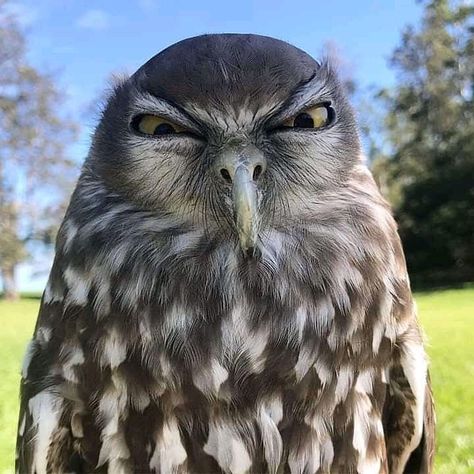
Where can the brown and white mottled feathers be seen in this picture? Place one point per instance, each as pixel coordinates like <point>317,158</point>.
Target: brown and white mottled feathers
<point>175,338</point>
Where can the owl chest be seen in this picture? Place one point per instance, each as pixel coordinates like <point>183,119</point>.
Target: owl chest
<point>245,355</point>
<point>255,397</point>
<point>241,394</point>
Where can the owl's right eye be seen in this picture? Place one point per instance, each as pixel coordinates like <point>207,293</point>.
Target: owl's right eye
<point>155,125</point>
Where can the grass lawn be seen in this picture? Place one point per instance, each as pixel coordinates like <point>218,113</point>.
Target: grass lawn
<point>448,319</point>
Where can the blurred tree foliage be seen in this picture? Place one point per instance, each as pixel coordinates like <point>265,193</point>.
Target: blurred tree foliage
<point>426,166</point>
<point>34,169</point>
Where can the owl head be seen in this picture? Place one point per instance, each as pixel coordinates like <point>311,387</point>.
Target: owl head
<point>231,133</point>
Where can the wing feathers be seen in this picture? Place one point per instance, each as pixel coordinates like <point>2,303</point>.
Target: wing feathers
<point>409,413</point>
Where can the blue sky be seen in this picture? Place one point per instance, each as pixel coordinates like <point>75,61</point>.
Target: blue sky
<point>85,41</point>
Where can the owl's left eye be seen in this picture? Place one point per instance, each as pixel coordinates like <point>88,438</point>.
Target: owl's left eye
<point>316,117</point>
<point>154,125</point>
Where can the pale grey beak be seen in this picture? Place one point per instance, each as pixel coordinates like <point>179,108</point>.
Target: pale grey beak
<point>244,194</point>
<point>242,167</point>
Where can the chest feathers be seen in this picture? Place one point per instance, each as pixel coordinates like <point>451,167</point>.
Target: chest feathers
<point>248,384</point>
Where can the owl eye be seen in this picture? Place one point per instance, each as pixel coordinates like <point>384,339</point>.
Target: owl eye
<point>316,117</point>
<point>154,125</point>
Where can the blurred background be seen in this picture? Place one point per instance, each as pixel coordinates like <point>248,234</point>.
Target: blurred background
<point>409,69</point>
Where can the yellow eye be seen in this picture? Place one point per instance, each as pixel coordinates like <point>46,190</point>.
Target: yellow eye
<point>154,125</point>
<point>316,117</point>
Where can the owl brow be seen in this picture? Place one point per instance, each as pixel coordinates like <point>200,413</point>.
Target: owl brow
<point>304,97</point>
<point>146,103</point>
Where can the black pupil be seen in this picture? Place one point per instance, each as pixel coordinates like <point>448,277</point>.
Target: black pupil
<point>303,120</point>
<point>164,129</point>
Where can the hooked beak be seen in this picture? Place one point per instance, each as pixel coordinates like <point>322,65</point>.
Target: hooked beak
<point>244,196</point>
<point>242,167</point>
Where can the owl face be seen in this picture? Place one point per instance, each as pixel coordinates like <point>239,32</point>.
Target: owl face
<point>231,133</point>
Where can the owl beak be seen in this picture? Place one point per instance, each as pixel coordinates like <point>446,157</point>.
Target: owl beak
<point>241,169</point>
<point>244,196</point>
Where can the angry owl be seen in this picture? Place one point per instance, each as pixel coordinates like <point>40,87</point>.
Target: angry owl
<point>229,293</point>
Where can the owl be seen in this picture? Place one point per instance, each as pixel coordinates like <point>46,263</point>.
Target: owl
<point>229,293</point>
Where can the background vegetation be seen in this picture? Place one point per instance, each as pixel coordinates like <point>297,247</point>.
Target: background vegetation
<point>426,164</point>
<point>35,171</point>
<point>420,142</point>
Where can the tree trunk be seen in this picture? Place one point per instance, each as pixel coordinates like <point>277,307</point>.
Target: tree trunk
<point>10,291</point>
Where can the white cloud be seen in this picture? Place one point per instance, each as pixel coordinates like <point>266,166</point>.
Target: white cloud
<point>94,20</point>
<point>25,15</point>
<point>147,5</point>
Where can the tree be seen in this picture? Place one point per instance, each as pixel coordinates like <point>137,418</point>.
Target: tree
<point>35,172</point>
<point>428,166</point>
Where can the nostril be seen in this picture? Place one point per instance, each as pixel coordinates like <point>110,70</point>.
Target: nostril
<point>225,174</point>
<point>257,171</point>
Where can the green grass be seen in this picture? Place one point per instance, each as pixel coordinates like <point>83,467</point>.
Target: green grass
<point>448,319</point>
<point>17,321</point>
